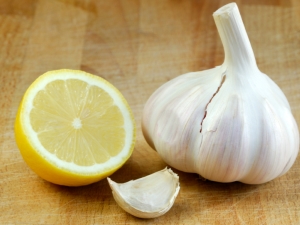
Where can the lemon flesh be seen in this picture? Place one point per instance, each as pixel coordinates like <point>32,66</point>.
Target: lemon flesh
<point>74,128</point>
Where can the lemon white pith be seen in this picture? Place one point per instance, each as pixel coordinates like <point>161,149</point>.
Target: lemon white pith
<point>74,128</point>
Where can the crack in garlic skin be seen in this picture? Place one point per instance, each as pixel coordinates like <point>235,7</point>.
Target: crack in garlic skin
<point>223,80</point>
<point>247,132</point>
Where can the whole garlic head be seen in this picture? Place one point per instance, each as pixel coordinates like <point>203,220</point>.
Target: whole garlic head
<point>229,123</point>
<point>147,197</point>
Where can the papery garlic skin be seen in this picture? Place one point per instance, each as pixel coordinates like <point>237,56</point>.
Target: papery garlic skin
<point>147,197</point>
<point>229,123</point>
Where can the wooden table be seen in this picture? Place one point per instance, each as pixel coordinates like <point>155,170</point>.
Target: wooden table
<point>137,46</point>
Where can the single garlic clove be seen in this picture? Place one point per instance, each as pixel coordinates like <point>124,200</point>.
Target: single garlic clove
<point>147,197</point>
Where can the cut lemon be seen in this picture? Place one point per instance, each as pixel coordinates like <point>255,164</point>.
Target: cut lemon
<point>74,128</point>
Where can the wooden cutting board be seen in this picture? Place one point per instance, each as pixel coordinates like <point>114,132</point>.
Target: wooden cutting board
<point>137,46</point>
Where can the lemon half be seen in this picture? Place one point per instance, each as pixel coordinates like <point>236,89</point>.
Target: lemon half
<point>74,128</point>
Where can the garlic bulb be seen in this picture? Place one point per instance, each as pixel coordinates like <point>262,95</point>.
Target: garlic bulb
<point>229,123</point>
<point>147,197</point>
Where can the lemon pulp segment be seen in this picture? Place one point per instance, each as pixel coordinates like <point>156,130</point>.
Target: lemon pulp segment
<point>76,129</point>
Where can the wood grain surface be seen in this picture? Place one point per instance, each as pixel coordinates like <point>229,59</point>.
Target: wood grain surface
<point>138,45</point>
